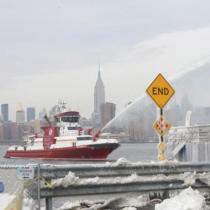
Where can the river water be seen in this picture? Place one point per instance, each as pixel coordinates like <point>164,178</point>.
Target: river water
<point>131,151</point>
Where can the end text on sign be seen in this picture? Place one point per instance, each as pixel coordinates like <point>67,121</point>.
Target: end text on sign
<point>160,91</point>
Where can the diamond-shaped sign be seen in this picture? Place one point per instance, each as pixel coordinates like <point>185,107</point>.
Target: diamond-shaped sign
<point>161,126</point>
<point>160,91</point>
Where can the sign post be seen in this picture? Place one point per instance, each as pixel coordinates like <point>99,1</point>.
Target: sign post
<point>38,186</point>
<point>161,91</point>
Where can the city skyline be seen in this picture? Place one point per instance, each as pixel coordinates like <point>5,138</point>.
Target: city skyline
<point>31,114</point>
<point>29,111</point>
<point>98,97</point>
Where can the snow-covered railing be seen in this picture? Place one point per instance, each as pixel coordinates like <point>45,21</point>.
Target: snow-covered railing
<point>119,177</point>
<point>142,186</point>
<point>112,169</point>
<point>72,185</point>
<point>122,168</point>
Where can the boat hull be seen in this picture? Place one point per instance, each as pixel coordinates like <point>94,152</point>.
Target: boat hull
<point>98,151</point>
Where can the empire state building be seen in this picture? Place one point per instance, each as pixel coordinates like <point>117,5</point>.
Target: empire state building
<point>99,99</point>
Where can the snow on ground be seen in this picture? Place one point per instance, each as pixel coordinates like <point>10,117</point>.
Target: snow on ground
<point>187,199</point>
<point>5,199</point>
<point>29,204</point>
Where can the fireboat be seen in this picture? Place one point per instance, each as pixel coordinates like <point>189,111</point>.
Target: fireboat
<point>64,139</point>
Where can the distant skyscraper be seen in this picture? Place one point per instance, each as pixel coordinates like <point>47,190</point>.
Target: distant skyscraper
<point>42,114</point>
<point>5,112</point>
<point>30,114</point>
<point>107,112</point>
<point>99,98</point>
<point>20,116</point>
<point>99,93</point>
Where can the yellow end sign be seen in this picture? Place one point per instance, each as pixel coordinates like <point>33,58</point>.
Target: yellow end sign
<point>160,91</point>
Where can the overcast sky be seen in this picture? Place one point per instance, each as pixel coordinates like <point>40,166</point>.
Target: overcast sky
<point>50,49</point>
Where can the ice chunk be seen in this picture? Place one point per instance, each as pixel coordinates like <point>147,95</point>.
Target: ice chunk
<point>187,199</point>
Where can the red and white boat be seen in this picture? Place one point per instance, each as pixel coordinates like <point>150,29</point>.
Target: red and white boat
<point>64,139</point>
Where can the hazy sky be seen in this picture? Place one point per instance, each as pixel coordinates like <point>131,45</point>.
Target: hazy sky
<point>50,49</point>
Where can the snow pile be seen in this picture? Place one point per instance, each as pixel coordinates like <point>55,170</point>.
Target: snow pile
<point>188,199</point>
<point>5,199</point>
<point>69,179</point>
<point>168,162</point>
<point>124,162</point>
<point>130,202</point>
<point>76,205</point>
<point>124,203</point>
<point>28,203</point>
<point>119,162</point>
<point>189,178</point>
<point>129,208</point>
<point>72,179</point>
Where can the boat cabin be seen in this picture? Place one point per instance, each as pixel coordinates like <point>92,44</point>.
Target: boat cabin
<point>68,122</point>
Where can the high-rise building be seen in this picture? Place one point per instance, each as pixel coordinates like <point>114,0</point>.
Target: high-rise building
<point>5,112</point>
<point>20,116</point>
<point>42,114</point>
<point>30,114</point>
<point>99,98</point>
<point>99,93</point>
<point>107,112</point>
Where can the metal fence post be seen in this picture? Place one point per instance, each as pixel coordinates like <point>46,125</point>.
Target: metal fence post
<point>38,186</point>
<point>48,204</point>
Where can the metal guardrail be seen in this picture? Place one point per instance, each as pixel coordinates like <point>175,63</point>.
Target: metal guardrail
<point>112,170</point>
<point>136,186</point>
<point>119,170</point>
<point>106,171</point>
